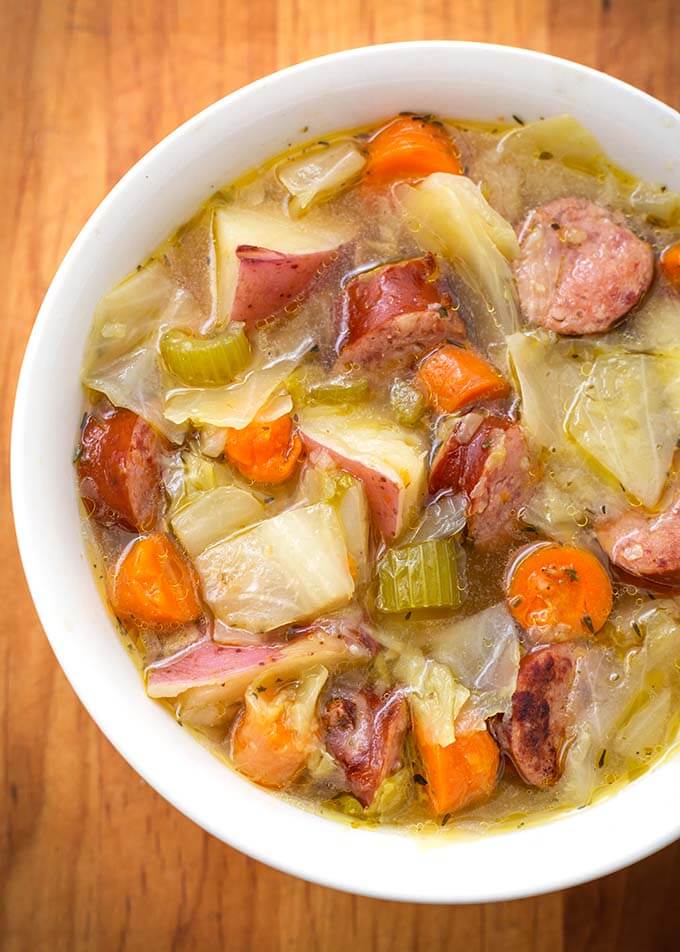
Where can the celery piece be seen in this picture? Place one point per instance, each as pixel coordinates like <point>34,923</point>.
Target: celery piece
<point>407,402</point>
<point>206,361</point>
<point>308,386</point>
<point>340,390</point>
<point>419,576</point>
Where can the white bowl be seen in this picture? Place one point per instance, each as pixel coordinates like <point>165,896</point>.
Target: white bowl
<point>342,90</point>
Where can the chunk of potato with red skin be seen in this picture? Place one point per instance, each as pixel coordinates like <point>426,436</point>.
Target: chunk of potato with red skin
<point>396,313</point>
<point>269,281</point>
<point>119,470</point>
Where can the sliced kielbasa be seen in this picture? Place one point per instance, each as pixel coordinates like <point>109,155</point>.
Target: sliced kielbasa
<point>119,470</point>
<point>490,463</point>
<point>580,268</point>
<point>365,734</point>
<point>539,725</point>
<point>396,313</point>
<point>645,546</point>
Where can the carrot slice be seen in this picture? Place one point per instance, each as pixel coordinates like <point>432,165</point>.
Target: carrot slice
<point>560,585</point>
<point>265,452</point>
<point>670,264</point>
<point>267,750</point>
<point>461,773</point>
<point>410,148</point>
<point>455,377</point>
<point>153,584</point>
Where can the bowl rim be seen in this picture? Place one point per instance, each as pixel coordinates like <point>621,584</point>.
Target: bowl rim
<point>237,838</point>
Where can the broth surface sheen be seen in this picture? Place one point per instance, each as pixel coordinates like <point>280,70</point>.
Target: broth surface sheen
<point>379,472</point>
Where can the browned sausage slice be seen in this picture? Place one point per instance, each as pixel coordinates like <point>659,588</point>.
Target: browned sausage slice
<point>540,721</point>
<point>365,734</point>
<point>396,313</point>
<point>119,470</point>
<point>645,546</point>
<point>491,465</point>
<point>580,268</point>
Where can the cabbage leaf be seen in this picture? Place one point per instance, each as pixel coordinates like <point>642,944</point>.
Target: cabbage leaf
<point>212,516</point>
<point>558,137</point>
<point>318,175</point>
<point>450,215</point>
<point>626,416</point>
<point>435,696</point>
<point>289,568</point>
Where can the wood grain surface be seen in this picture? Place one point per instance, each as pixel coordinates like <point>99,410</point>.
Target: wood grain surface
<point>91,857</point>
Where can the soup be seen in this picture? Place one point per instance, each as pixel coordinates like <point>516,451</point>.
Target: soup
<point>378,471</point>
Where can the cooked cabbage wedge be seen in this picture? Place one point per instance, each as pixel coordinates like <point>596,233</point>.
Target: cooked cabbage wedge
<point>393,794</point>
<point>206,361</point>
<point>309,386</point>
<point>128,315</point>
<point>424,575</point>
<point>645,731</point>
<point>626,416</point>
<point>320,174</point>
<point>450,215</point>
<point>548,378</point>
<point>661,205</point>
<point>214,515</point>
<point>482,652</point>
<point>234,406</point>
<point>435,696</point>
<point>121,355</point>
<point>655,328</point>
<point>287,569</point>
<point>559,137</point>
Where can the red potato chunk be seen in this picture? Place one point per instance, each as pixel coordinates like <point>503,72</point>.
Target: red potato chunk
<point>119,470</point>
<point>389,461</point>
<point>489,463</point>
<point>269,281</point>
<point>396,313</point>
<point>365,734</point>
<point>231,668</point>
<point>580,268</point>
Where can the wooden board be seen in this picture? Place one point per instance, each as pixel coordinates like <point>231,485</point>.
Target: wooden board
<point>91,857</point>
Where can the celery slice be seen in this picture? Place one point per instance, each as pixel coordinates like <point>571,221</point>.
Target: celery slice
<point>407,402</point>
<point>308,386</point>
<point>340,390</point>
<point>206,361</point>
<point>419,576</point>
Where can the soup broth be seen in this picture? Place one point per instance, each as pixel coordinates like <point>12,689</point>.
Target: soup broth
<point>379,474</point>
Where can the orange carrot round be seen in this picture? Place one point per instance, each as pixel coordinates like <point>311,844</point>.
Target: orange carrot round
<point>455,377</point>
<point>670,264</point>
<point>462,773</point>
<point>154,585</point>
<point>410,148</point>
<point>560,585</point>
<point>265,452</point>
